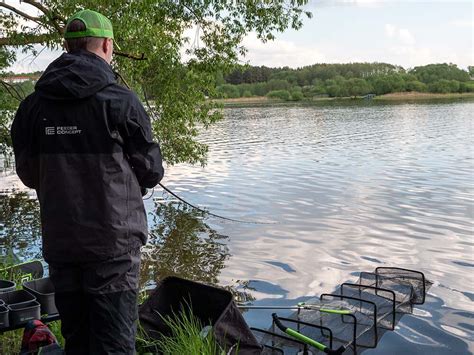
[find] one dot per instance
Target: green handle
(305, 339)
(335, 311)
(325, 310)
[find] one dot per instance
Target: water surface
(348, 188)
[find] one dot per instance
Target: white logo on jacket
(51, 131)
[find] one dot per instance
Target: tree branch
(131, 56)
(52, 17)
(12, 91)
(26, 39)
(21, 13)
(38, 5)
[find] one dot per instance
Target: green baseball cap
(97, 25)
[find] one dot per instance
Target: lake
(335, 189)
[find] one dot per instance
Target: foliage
(10, 93)
(279, 94)
(416, 85)
(341, 80)
(444, 86)
(433, 72)
(188, 336)
(470, 69)
(296, 94)
(177, 82)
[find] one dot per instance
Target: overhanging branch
(21, 13)
(53, 18)
(24, 40)
(131, 56)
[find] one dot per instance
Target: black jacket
(85, 144)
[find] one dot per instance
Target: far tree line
(342, 80)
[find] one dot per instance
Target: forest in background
(342, 80)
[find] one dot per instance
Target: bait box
(43, 290)
(7, 286)
(17, 297)
(20, 314)
(4, 321)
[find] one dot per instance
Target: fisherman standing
(84, 143)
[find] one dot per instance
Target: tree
(416, 85)
(444, 86)
(153, 32)
(433, 72)
(470, 69)
(358, 87)
(279, 94)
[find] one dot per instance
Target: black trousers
(97, 303)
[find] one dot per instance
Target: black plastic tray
(20, 314)
(17, 297)
(4, 321)
(7, 286)
(43, 290)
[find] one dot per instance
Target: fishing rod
(180, 198)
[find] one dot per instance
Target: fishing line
(210, 213)
(183, 200)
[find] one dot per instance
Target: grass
(397, 96)
(402, 96)
(187, 336)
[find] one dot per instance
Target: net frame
(373, 305)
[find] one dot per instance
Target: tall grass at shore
(187, 336)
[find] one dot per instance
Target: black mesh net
(352, 318)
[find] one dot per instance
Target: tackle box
(43, 290)
(21, 313)
(7, 286)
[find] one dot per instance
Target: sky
(404, 32)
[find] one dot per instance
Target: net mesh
(354, 317)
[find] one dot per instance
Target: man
(85, 144)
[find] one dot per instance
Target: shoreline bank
(392, 97)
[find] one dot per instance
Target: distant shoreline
(392, 97)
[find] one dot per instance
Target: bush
(466, 87)
(279, 94)
(226, 91)
(444, 86)
(277, 84)
(247, 93)
(296, 95)
(416, 85)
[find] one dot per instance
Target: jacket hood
(75, 75)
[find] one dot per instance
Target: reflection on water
(350, 188)
(20, 230)
(182, 244)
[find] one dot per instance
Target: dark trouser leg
(72, 307)
(113, 322)
(72, 304)
(97, 303)
(112, 287)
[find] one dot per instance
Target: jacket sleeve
(144, 154)
(26, 157)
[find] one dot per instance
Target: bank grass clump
(187, 336)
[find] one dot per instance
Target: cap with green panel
(97, 25)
